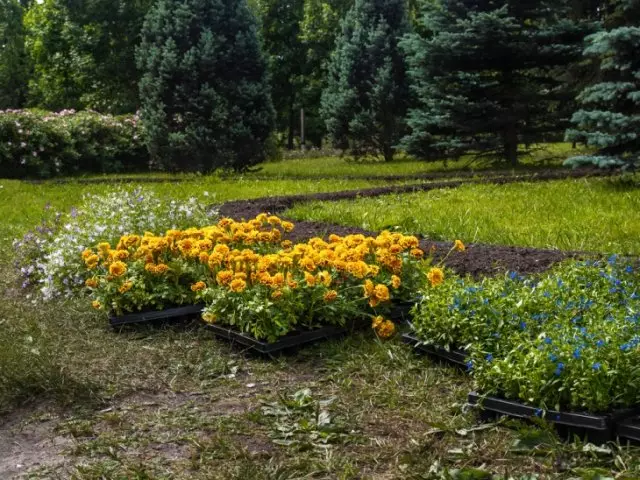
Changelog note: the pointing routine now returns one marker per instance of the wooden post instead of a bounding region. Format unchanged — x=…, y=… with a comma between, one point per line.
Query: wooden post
x=302, y=129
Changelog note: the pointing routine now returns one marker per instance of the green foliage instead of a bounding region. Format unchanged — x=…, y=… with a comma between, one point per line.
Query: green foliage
x=83, y=54
x=489, y=76
x=566, y=339
x=205, y=93
x=367, y=93
x=14, y=68
x=38, y=144
x=609, y=119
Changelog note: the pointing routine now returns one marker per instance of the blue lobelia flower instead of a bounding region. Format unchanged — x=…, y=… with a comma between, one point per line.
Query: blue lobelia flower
x=599, y=343
x=470, y=365
x=559, y=369
x=548, y=341
x=489, y=357
x=576, y=353
x=596, y=366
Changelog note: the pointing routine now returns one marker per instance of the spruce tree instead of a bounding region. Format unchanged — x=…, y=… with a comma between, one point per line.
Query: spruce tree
x=489, y=76
x=367, y=94
x=609, y=119
x=205, y=92
x=14, y=69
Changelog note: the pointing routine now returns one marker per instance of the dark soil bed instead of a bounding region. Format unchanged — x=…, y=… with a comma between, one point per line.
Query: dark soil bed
x=478, y=259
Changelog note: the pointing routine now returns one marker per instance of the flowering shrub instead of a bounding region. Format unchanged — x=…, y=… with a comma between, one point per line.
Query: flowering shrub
x=38, y=144
x=49, y=257
x=567, y=339
x=251, y=278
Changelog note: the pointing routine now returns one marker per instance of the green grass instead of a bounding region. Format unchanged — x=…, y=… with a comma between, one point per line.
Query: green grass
x=588, y=214
x=548, y=155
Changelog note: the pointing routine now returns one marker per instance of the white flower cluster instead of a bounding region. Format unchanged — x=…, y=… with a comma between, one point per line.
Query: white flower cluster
x=59, y=269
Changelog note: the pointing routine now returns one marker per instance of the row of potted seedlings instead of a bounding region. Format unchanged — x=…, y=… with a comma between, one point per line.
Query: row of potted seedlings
x=250, y=284
x=562, y=345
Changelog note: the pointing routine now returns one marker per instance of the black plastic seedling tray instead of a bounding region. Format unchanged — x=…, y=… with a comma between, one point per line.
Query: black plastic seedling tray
x=455, y=357
x=400, y=311
x=596, y=428
x=629, y=429
x=166, y=314
x=292, y=340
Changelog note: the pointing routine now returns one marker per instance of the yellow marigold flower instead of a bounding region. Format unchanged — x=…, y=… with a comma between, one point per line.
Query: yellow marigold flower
x=273, y=220
x=162, y=268
x=310, y=279
x=369, y=288
x=224, y=277
x=221, y=249
x=325, y=278
x=203, y=257
x=459, y=246
x=117, y=269
x=125, y=287
x=377, y=321
x=395, y=249
x=330, y=296
x=308, y=264
x=395, y=281
x=417, y=253
x=209, y=317
x=409, y=242
x=435, y=276
x=92, y=261
x=205, y=245
x=132, y=240
x=262, y=218
x=287, y=226
x=278, y=279
x=87, y=253
x=238, y=285
x=91, y=282
x=104, y=246
x=150, y=267
x=382, y=292
x=276, y=294
x=96, y=304
x=333, y=238
x=198, y=286
x=286, y=244
x=385, y=329
x=292, y=284
x=240, y=275
x=121, y=254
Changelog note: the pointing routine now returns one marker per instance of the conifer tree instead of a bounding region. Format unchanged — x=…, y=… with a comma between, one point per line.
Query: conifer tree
x=489, y=76
x=13, y=58
x=205, y=92
x=367, y=93
x=609, y=119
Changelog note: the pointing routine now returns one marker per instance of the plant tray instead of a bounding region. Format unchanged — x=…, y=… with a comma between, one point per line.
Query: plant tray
x=400, y=311
x=455, y=357
x=292, y=340
x=596, y=428
x=629, y=429
x=189, y=311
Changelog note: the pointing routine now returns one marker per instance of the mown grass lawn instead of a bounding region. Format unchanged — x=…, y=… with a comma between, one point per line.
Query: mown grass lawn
x=171, y=402
x=599, y=215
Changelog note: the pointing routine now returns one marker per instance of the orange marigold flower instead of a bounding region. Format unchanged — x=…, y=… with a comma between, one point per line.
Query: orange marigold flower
x=104, y=246
x=96, y=304
x=203, y=257
x=333, y=238
x=121, y=254
x=459, y=246
x=92, y=261
x=385, y=329
x=198, y=286
x=325, y=277
x=88, y=252
x=276, y=294
x=369, y=288
x=395, y=281
x=238, y=285
x=435, y=276
x=330, y=296
x=286, y=244
x=224, y=277
x=117, y=269
x=273, y=220
x=417, y=253
x=162, y=268
x=382, y=292
x=310, y=279
x=125, y=287
x=91, y=282
x=287, y=226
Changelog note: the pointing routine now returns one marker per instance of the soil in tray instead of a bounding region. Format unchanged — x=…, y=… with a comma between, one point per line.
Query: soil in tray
x=168, y=314
x=596, y=428
x=453, y=356
x=289, y=342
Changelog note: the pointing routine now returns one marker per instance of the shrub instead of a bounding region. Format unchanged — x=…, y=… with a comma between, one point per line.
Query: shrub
x=566, y=339
x=49, y=257
x=39, y=144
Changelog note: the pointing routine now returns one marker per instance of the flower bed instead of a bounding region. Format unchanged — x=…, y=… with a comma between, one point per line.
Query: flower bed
x=255, y=281
x=565, y=340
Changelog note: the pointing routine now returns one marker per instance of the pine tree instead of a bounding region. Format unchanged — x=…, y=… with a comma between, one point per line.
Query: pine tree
x=490, y=76
x=609, y=119
x=13, y=58
x=367, y=94
x=205, y=93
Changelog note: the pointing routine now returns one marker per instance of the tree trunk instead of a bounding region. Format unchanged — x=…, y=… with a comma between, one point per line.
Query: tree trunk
x=292, y=124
